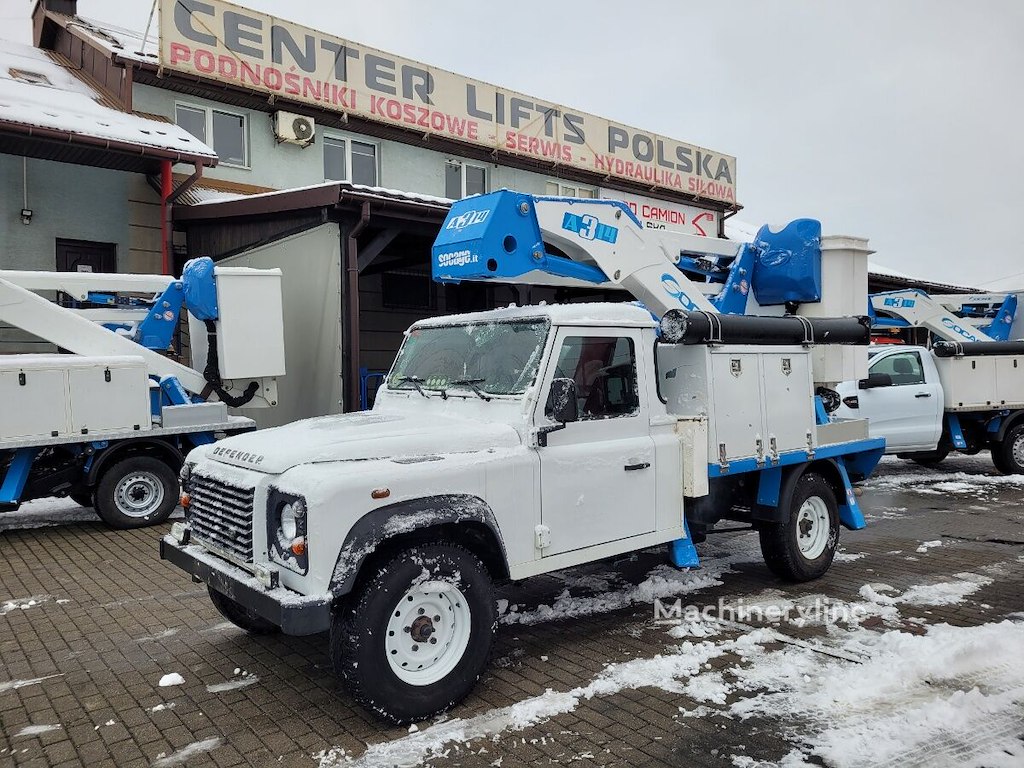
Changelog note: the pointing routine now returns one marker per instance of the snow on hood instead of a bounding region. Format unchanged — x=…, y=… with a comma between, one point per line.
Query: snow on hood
x=353, y=436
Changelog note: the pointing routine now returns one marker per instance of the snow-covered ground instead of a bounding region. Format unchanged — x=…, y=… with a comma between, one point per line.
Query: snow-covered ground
x=44, y=513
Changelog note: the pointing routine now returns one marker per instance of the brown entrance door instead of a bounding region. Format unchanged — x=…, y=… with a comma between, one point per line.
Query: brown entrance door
x=86, y=256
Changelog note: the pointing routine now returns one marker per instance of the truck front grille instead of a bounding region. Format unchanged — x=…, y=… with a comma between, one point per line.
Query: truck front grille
x=220, y=515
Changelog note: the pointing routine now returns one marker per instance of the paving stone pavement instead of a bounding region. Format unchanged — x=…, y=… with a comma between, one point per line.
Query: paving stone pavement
x=91, y=620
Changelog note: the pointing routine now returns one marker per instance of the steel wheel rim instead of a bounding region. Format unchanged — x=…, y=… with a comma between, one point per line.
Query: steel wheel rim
x=812, y=527
x=431, y=611
x=1017, y=450
x=139, y=494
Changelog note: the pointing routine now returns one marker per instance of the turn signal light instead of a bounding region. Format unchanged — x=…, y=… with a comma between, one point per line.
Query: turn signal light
x=298, y=546
x=185, y=500
x=380, y=493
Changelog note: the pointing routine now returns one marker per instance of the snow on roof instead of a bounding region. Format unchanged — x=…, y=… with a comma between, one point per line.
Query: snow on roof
x=209, y=196
x=126, y=43
x=596, y=313
x=37, y=91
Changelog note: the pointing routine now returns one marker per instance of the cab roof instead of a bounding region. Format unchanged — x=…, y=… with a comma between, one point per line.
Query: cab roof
x=593, y=314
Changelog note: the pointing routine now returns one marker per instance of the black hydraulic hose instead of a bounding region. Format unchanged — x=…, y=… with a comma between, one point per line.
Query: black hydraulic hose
x=683, y=327
x=212, y=373
x=977, y=348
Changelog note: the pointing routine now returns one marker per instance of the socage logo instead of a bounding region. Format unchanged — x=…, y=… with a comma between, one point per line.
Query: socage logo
x=467, y=219
x=457, y=259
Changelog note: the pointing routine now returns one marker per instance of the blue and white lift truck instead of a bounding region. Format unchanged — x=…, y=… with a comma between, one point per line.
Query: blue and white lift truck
x=965, y=393
x=515, y=442
x=109, y=425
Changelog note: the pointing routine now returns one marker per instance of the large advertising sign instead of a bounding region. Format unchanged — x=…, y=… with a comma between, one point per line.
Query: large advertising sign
x=659, y=214
x=227, y=43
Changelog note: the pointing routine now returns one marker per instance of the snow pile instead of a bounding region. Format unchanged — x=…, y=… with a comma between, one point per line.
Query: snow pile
x=930, y=696
x=173, y=678
x=659, y=671
x=37, y=730
x=242, y=680
x=23, y=603
x=183, y=755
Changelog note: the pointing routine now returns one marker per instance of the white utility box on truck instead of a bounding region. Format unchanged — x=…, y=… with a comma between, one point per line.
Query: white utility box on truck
x=519, y=441
x=108, y=426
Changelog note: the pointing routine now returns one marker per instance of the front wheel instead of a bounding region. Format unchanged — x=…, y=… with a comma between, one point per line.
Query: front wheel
x=1008, y=454
x=800, y=547
x=136, y=492
x=417, y=633
x=240, y=616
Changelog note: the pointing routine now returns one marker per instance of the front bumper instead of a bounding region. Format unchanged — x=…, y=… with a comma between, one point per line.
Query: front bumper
x=295, y=614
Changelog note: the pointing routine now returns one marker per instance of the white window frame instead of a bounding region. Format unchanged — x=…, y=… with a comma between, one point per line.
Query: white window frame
x=462, y=164
x=208, y=113
x=563, y=186
x=348, y=155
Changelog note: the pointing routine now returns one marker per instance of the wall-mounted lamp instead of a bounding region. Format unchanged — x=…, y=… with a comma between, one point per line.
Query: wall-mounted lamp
x=26, y=215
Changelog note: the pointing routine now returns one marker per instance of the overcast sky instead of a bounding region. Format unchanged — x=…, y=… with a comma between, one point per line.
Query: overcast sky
x=896, y=120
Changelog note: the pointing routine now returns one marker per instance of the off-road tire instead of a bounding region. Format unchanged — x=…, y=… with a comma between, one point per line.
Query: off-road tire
x=152, y=473
x=82, y=498
x=1008, y=453
x=241, y=616
x=360, y=629
x=780, y=540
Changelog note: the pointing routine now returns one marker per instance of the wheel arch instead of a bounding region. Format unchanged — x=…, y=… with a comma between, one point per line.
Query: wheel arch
x=1011, y=421
x=143, y=446
x=460, y=518
x=826, y=468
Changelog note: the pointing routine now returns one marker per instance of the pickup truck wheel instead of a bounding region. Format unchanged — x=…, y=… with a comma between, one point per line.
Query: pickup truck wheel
x=240, y=616
x=417, y=633
x=1008, y=454
x=927, y=458
x=801, y=546
x=136, y=492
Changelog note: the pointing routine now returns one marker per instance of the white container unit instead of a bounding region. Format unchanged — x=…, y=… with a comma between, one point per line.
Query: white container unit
x=982, y=382
x=59, y=396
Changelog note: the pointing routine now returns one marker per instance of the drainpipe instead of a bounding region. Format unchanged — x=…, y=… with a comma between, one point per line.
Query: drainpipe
x=350, y=301
x=166, y=187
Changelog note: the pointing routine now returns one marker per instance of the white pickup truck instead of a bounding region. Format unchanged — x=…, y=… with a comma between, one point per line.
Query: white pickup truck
x=926, y=406
x=503, y=445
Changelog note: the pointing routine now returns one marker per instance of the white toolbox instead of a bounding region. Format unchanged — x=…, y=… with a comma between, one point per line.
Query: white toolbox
x=59, y=396
x=982, y=382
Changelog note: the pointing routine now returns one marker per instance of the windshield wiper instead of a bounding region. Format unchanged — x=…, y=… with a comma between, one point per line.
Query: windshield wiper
x=415, y=381
x=473, y=384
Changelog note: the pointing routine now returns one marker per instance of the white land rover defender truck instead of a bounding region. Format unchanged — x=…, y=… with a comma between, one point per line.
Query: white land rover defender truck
x=511, y=443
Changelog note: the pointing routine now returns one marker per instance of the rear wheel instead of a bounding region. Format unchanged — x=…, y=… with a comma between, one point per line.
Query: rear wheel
x=241, y=616
x=82, y=498
x=136, y=492
x=417, y=633
x=1008, y=454
x=801, y=546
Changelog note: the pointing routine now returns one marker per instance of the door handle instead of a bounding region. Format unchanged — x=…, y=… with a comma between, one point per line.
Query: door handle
x=634, y=467
x=923, y=394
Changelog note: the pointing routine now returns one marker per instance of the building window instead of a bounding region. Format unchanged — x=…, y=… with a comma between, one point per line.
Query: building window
x=557, y=189
x=226, y=132
x=340, y=155
x=462, y=180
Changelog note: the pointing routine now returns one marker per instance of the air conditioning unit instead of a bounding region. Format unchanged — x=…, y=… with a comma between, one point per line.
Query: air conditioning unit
x=294, y=129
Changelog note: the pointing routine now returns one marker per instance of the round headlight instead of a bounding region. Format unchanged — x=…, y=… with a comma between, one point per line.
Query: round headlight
x=289, y=526
x=184, y=473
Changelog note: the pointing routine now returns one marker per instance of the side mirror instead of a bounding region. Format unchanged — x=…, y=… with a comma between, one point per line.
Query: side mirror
x=875, y=380
x=561, y=405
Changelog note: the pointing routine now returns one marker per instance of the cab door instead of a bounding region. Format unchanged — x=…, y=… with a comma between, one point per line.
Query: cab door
x=907, y=413
x=598, y=473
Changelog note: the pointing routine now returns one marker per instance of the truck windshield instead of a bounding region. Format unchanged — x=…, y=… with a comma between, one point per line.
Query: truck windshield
x=496, y=358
